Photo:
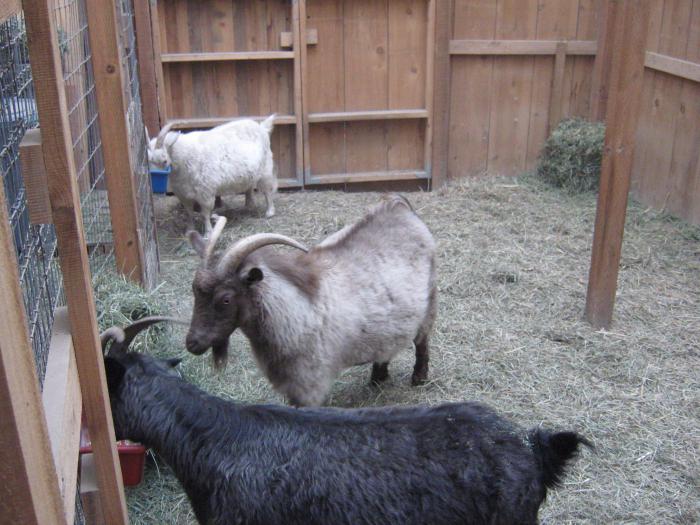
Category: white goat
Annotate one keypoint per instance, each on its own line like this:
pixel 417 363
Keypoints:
pixel 228 159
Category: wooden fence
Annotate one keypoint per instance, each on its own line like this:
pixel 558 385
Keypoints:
pixel 666 172
pixel 355 102
pixel 511 81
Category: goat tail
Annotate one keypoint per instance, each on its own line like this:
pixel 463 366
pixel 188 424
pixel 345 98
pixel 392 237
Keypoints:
pixel 554 450
pixel 391 200
pixel 269 123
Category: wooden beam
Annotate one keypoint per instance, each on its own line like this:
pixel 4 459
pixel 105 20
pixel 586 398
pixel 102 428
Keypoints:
pixel 521 47
pixel 299 55
pixel 429 85
pixel 609 12
pixel 68 222
pixel 147 65
pixel 34 177
pixel 191 123
pixel 63 407
pixel 9 8
pixel 440 118
pixel 673 66
pixel 29 491
pixel 110 88
pixel 624 101
pixel 375 176
pixel 384 114
pixel 287 38
pixel 303 94
pixel 226 56
pixel 160 81
pixel 557 86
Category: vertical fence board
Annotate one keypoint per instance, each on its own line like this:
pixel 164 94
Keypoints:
pixel 555 21
pixel 512 89
pixel 147 65
pixel 655 157
pixel 470 93
pixel 577 87
pixel 68 221
pixel 441 93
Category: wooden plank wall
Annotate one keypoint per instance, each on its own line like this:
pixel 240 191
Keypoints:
pixel 197 89
pixel 666 172
pixel 500 103
pixel 371 56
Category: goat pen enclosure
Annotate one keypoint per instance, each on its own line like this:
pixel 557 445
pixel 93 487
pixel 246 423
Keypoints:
pixel 75 192
pixel 428 90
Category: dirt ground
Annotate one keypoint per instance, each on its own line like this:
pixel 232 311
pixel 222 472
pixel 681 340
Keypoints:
pixel 513 269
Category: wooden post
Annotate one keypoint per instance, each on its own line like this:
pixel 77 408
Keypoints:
pixel 303 157
pixel 68 221
pixel 119 164
pixel 29 490
pixel 440 118
pixel 600 83
pixel 147 66
pixel 557 86
pixel 625 91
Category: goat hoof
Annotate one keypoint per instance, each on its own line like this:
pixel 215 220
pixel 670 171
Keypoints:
pixel 380 373
pixel 419 379
pixel 269 214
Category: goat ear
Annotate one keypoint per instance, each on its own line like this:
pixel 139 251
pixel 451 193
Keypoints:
pixel 171 138
pixel 197 242
pixel 173 362
pixel 254 275
pixel 115 373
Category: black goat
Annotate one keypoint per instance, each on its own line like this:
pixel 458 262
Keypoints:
pixel 264 464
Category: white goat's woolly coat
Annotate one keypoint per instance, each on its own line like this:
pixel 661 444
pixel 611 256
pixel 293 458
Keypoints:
pixel 373 294
pixel 229 159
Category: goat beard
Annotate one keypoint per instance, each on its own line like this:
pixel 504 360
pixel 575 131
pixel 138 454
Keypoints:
pixel 219 353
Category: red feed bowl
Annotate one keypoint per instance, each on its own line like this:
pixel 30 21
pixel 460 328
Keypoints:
pixel 131 457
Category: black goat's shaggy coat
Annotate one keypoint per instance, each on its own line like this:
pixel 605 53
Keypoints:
pixel 262 464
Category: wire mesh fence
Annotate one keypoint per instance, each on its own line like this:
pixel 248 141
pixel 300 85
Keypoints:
pixel 35 245
pixel 137 144
pixel 83 118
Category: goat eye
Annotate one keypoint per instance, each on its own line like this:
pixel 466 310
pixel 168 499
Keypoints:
pixel 226 300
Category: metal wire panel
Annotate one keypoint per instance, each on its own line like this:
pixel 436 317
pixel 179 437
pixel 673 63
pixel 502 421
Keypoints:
pixel 35 246
pixel 74 46
pixel 137 145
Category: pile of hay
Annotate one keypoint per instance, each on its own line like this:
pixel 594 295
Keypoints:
pixel 119 302
pixel 572 155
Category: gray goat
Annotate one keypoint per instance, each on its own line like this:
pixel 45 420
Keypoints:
pixel 268 465
pixel 360 296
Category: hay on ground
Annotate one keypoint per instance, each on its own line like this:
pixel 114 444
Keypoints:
pixel 513 269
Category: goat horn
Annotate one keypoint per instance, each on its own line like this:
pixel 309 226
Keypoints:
pixel 114 333
pixel 161 135
pixel 239 251
pixel 215 234
pixel 135 328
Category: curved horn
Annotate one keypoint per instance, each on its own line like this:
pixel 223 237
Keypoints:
pixel 135 328
pixel 114 333
pixel 161 135
pixel 239 251
pixel 215 234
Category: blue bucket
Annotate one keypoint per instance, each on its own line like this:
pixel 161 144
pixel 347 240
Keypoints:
pixel 159 180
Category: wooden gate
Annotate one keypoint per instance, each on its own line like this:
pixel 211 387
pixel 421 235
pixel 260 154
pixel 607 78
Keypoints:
pixel 349 80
